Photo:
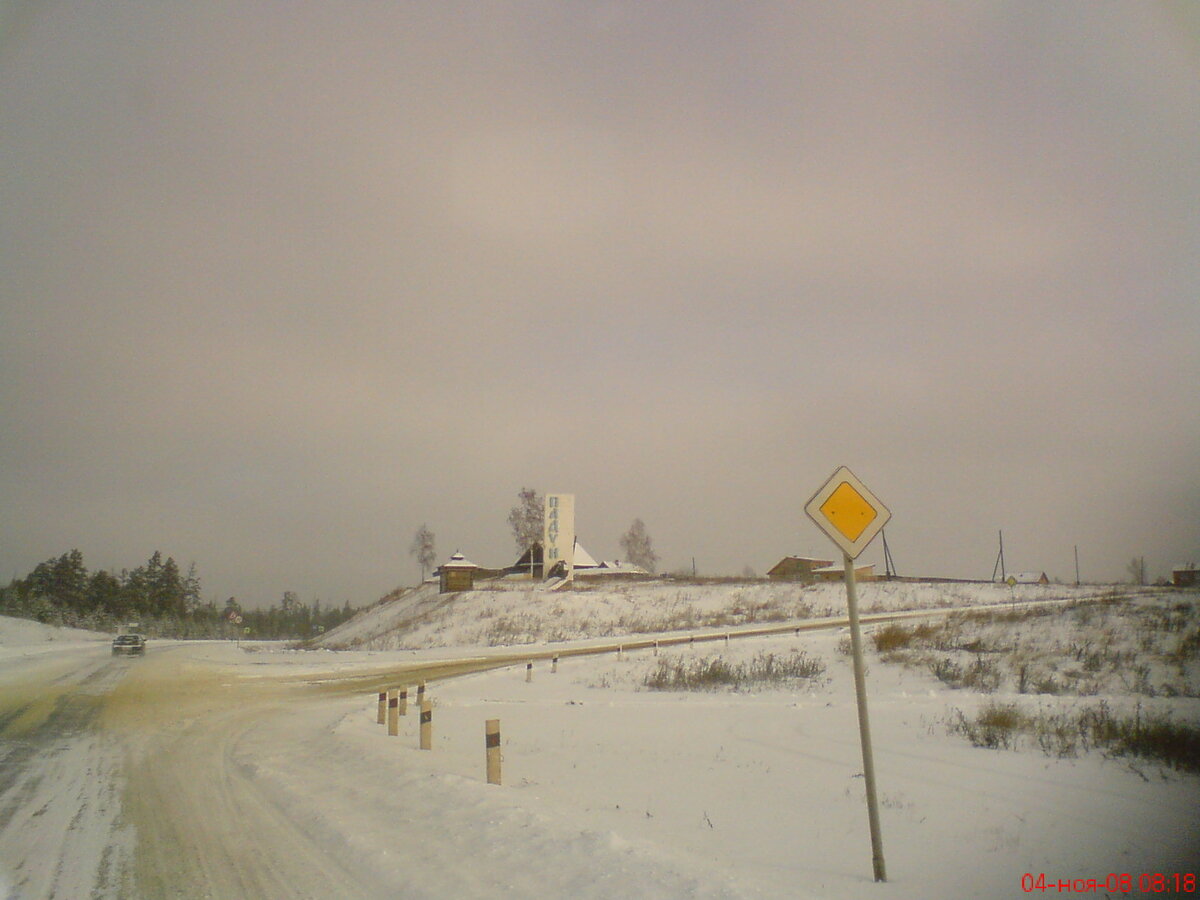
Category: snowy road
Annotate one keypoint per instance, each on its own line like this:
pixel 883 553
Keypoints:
pixel 188 773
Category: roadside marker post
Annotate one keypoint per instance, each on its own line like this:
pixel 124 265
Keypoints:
pixel 404 701
pixel 554 666
pixel 850 515
pixel 528 672
pixel 426 724
pixel 382 708
pixel 393 716
pixel 492 745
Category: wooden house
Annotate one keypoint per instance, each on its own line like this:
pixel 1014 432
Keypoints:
pixel 797 568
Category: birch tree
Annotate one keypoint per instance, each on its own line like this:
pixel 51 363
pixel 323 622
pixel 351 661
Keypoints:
pixel 638 547
pixel 422 548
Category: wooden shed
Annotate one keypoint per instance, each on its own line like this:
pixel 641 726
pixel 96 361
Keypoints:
pixel 457 574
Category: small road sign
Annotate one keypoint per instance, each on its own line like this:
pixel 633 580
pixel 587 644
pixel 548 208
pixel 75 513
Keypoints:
pixel 846 510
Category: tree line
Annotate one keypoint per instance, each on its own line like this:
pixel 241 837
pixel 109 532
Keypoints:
pixel 159 597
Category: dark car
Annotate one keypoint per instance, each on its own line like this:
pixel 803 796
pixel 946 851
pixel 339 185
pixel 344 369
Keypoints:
pixel 129 645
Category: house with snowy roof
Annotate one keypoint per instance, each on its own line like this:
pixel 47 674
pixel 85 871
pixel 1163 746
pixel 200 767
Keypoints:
pixel 797 568
pixel 584 564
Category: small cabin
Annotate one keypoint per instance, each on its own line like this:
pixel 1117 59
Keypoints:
pixel 457 574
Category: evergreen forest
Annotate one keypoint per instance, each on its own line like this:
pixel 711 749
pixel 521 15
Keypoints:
pixel 162 600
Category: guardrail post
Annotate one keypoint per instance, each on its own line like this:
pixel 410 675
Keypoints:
pixel 492 744
pixel 420 695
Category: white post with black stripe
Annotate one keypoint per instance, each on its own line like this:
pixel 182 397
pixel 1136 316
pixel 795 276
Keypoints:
pixel 492 745
pixel 426 724
pixel 393 713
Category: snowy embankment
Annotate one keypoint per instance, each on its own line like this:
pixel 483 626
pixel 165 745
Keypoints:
pixel 515 613
pixel 23 637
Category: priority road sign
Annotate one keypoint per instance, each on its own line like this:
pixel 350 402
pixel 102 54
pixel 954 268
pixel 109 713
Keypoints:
pixel 846 510
pixel 851 516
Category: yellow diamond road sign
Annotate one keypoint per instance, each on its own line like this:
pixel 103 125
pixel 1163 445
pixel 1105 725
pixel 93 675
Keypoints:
pixel 847 512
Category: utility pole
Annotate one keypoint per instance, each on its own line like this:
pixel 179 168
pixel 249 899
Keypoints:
pixel 889 565
pixel 1000 562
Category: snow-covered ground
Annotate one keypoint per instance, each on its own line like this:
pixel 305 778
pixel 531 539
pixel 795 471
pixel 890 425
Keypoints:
pixel 611 789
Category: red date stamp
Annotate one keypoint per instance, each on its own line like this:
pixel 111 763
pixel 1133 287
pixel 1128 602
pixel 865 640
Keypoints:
pixel 1112 883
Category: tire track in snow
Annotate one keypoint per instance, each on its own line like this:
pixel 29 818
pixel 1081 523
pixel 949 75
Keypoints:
pixel 60 810
pixel 207 826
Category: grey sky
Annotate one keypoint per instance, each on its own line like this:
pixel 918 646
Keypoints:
pixel 282 281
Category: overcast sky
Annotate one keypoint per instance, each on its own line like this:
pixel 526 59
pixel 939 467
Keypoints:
pixel 280 282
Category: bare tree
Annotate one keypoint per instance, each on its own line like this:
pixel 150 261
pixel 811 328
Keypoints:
pixel 1137 570
pixel 422 549
pixel 638 547
pixel 527 518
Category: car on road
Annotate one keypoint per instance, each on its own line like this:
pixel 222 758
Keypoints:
pixel 128 645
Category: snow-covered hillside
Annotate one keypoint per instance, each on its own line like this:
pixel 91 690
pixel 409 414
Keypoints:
pixel 508 613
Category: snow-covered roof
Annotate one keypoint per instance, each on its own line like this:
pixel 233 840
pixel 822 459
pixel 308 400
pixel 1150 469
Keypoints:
pixel 458 561
pixel 583 559
pixel 1025 577
pixel 615 567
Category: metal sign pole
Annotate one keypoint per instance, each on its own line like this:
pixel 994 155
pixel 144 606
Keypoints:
pixel 864 727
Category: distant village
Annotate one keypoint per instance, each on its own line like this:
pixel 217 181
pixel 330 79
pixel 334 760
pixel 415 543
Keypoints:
pixel 461 574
